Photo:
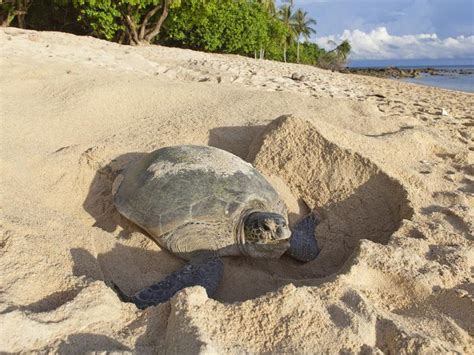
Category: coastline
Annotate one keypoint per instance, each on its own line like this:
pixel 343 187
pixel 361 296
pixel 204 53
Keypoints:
pixel 448 74
pixel 387 164
pixel 460 79
pixel 398 72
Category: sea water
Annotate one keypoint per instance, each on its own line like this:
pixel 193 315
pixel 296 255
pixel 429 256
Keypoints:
pixel 448 80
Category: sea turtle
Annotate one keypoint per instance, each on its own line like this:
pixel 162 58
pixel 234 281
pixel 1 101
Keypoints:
pixel 202 203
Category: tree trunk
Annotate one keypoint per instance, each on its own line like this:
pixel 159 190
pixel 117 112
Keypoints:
pixel 122 37
pixel 147 18
pixel 8 20
pixel 140 34
pixel 298 52
pixel 21 10
pixel 284 52
pixel 156 30
pixel 131 30
pixel 20 18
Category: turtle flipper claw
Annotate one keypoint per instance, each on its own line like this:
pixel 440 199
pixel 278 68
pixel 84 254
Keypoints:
pixel 204 272
pixel 303 245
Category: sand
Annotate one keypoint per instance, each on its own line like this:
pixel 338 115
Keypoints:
pixel 388 166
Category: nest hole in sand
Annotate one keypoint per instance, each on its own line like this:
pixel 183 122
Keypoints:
pixel 354 198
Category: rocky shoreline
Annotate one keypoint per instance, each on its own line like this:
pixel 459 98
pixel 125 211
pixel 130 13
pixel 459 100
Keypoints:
pixel 397 73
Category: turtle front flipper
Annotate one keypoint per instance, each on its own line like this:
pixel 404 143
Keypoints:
pixel 203 272
pixel 303 245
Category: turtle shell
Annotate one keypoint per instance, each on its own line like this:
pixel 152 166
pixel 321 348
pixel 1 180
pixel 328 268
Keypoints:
pixel 202 186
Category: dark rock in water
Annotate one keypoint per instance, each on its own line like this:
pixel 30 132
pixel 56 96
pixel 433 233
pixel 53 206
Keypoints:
pixel 390 72
pixel 466 71
pixel 398 73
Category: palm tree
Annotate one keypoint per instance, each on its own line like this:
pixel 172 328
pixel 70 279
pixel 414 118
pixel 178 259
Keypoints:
pixel 286 16
pixel 344 49
pixel 336 58
pixel 268 5
pixel 302 27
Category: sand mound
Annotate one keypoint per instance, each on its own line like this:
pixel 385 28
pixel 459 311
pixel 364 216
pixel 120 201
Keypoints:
pixel 354 198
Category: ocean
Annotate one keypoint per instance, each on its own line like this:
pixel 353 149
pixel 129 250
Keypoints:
pixel 449 80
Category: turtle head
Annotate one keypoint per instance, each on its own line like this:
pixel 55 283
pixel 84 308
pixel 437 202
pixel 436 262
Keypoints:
pixel 265 235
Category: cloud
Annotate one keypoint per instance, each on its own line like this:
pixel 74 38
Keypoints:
pixel 379 44
pixel 446 18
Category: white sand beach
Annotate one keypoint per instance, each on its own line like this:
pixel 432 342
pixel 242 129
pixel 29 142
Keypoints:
pixel 388 166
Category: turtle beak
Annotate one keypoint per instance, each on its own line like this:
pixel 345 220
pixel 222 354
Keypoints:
pixel 282 233
pixel 278 228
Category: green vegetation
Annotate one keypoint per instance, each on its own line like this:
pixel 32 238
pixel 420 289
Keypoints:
pixel 335 59
pixel 254 28
pixel 302 27
pixel 139 21
pixel 227 26
pixel 287 18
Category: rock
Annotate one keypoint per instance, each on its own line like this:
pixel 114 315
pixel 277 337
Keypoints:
pixel 388 72
pixel 204 79
pixel 297 77
pixel 380 96
pixel 444 112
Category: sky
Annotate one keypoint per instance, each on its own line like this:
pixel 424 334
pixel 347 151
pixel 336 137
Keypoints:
pixel 396 29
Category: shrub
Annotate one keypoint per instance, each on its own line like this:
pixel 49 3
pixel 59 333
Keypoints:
pixel 229 26
pixel 140 21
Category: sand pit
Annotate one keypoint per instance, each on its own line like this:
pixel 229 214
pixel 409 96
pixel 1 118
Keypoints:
pixel 354 198
pixel 390 177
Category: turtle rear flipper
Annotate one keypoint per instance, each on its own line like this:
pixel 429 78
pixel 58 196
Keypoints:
pixel 303 245
pixel 203 272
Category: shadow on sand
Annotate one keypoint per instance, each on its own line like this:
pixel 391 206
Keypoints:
pixel 90 343
pixel 99 200
pixel 236 140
